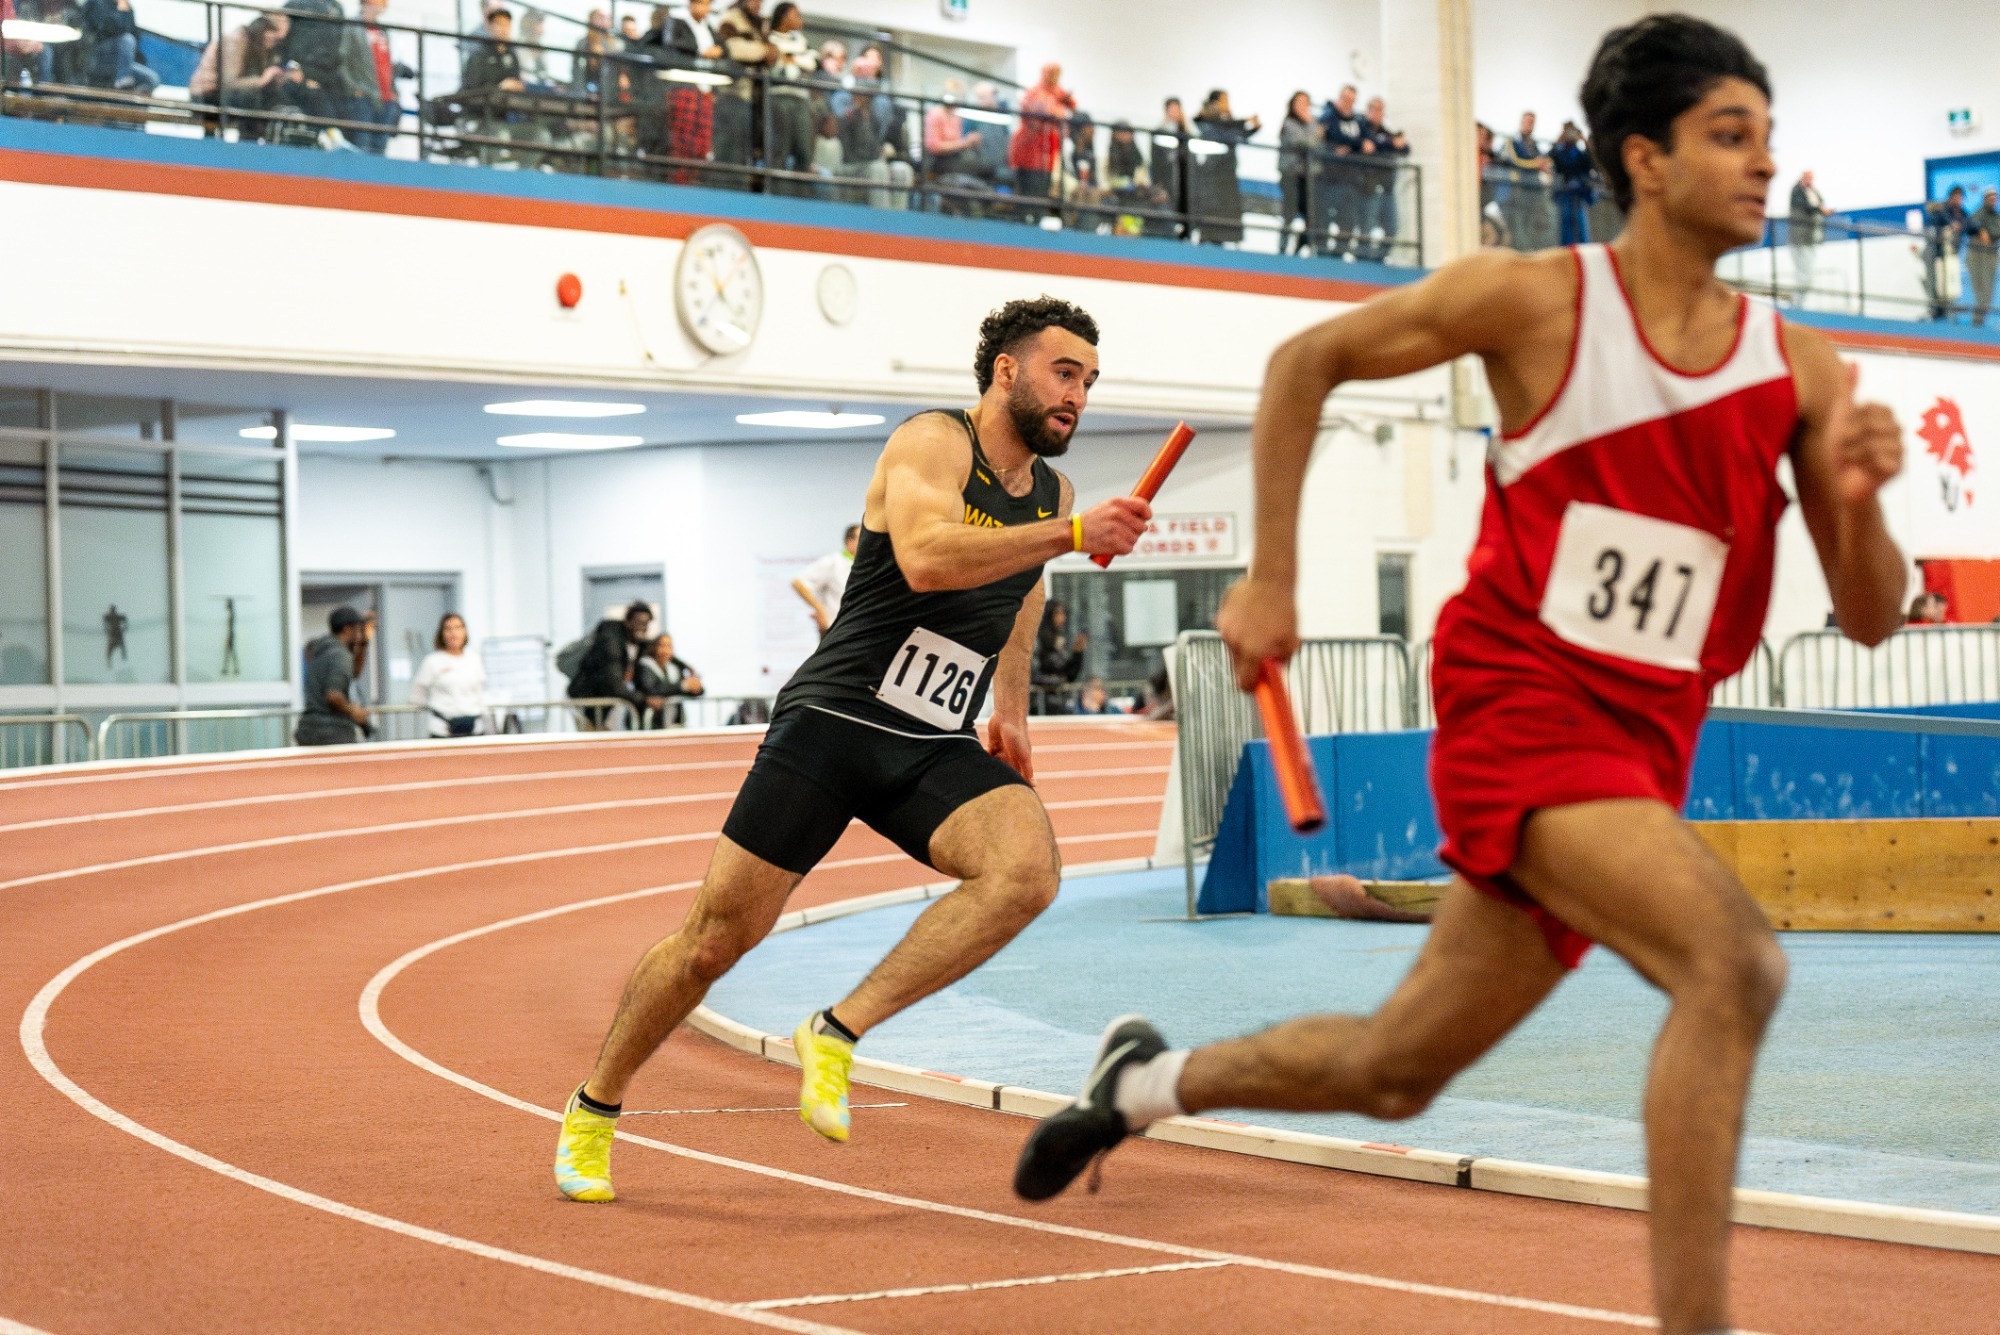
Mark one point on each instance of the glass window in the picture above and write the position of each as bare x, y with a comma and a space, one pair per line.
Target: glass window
103, 415
232, 568
24, 620
206, 424
113, 539
20, 407
1392, 592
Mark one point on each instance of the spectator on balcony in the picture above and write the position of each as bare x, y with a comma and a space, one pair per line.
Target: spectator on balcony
744, 33
113, 33
628, 31
950, 149
1526, 204
665, 678
1217, 193
1037, 143
679, 117
450, 682
1299, 141
1929, 609
495, 68
989, 161
1576, 183
1982, 253
1805, 228
38, 59
317, 40
371, 72
332, 715
586, 68
1130, 183
1944, 232
240, 71
609, 663
1170, 152
790, 100
535, 70
1343, 140
872, 136
1380, 220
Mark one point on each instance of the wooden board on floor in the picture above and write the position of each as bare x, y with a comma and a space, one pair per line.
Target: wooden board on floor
1810, 875
1867, 875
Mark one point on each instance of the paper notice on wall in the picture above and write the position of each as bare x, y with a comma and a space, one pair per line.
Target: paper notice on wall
517, 668
1950, 487
786, 632
1152, 611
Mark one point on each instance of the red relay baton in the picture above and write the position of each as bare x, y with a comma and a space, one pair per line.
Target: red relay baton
1156, 471
1297, 783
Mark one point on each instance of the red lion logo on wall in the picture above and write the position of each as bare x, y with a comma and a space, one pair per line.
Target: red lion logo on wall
1943, 434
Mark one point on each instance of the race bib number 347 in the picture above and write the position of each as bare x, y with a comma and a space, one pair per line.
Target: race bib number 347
1633, 586
932, 678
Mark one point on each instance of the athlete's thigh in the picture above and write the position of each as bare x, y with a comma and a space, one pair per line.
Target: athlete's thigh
1632, 874
1004, 827
1482, 969
740, 897
799, 796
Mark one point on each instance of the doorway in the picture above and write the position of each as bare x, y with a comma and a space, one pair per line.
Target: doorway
407, 611
609, 590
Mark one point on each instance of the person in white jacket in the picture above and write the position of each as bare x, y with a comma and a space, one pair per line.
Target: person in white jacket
451, 683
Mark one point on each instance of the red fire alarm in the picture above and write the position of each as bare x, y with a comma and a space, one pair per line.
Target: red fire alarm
569, 291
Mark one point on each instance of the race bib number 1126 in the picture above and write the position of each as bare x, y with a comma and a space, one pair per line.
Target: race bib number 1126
1633, 586
932, 678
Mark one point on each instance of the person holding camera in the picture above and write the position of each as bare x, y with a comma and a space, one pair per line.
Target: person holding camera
332, 716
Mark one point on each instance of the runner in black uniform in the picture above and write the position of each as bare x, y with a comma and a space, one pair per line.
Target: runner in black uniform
942, 605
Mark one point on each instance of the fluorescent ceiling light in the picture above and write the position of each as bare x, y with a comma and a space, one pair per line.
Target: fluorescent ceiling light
705, 78
301, 431
982, 114
569, 440
27, 30
810, 421
564, 408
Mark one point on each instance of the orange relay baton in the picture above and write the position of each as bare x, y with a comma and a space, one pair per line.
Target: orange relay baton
1156, 471
1297, 783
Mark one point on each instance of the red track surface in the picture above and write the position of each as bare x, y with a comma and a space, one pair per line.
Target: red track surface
242, 1040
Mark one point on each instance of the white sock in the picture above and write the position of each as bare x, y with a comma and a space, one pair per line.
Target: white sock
1145, 1094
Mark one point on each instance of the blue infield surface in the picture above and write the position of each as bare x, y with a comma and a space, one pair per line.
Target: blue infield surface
1880, 1082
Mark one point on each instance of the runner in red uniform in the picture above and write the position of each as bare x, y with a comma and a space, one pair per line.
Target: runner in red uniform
1623, 567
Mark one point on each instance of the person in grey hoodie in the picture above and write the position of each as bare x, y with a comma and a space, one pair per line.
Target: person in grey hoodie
331, 716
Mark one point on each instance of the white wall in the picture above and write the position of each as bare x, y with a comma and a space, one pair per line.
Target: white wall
1860, 87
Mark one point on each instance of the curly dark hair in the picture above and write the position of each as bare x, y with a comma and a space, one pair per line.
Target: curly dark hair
1015, 323
1645, 75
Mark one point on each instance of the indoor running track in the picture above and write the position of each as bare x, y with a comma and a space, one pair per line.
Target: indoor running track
273, 1076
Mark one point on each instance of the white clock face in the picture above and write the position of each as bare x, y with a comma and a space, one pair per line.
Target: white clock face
839, 294
718, 289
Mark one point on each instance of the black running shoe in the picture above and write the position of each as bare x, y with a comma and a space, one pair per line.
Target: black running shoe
1063, 1145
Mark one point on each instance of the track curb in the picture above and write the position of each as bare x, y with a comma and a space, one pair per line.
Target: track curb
1944, 1229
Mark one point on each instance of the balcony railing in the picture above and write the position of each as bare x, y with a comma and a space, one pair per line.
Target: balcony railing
649, 113
1867, 269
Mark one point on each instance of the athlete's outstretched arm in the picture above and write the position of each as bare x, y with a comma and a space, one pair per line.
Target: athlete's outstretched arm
1007, 731
1845, 452
1469, 306
925, 465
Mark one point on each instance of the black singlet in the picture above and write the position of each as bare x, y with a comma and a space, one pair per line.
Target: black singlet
922, 662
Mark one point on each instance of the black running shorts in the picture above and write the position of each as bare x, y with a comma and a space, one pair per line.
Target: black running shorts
817, 771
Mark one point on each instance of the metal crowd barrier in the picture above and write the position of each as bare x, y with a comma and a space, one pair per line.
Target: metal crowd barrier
146, 735
43, 739
1337, 685
590, 714
1918, 665
1755, 687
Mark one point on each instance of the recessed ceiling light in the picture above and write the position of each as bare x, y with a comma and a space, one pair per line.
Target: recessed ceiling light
564, 408
811, 421
569, 440
302, 431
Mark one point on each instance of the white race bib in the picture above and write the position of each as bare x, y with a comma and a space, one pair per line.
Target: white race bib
1634, 587
932, 678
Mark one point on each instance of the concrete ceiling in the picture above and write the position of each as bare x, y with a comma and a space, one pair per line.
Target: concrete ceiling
446, 420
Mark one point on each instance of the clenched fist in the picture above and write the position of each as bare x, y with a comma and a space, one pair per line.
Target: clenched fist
1867, 443
1258, 620
1114, 527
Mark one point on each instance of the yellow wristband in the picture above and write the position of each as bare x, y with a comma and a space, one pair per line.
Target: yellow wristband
1076, 532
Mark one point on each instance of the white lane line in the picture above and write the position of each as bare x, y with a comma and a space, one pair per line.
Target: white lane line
16, 1328
792, 1108
372, 790
315, 836
1107, 773
34, 1023
371, 1018
180, 767
1032, 1281
1156, 800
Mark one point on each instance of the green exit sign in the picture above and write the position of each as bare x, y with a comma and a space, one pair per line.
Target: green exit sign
959, 10
1962, 120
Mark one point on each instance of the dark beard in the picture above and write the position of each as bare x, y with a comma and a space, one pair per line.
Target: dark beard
1031, 423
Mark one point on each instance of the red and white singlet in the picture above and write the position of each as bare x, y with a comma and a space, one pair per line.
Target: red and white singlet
1623, 567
